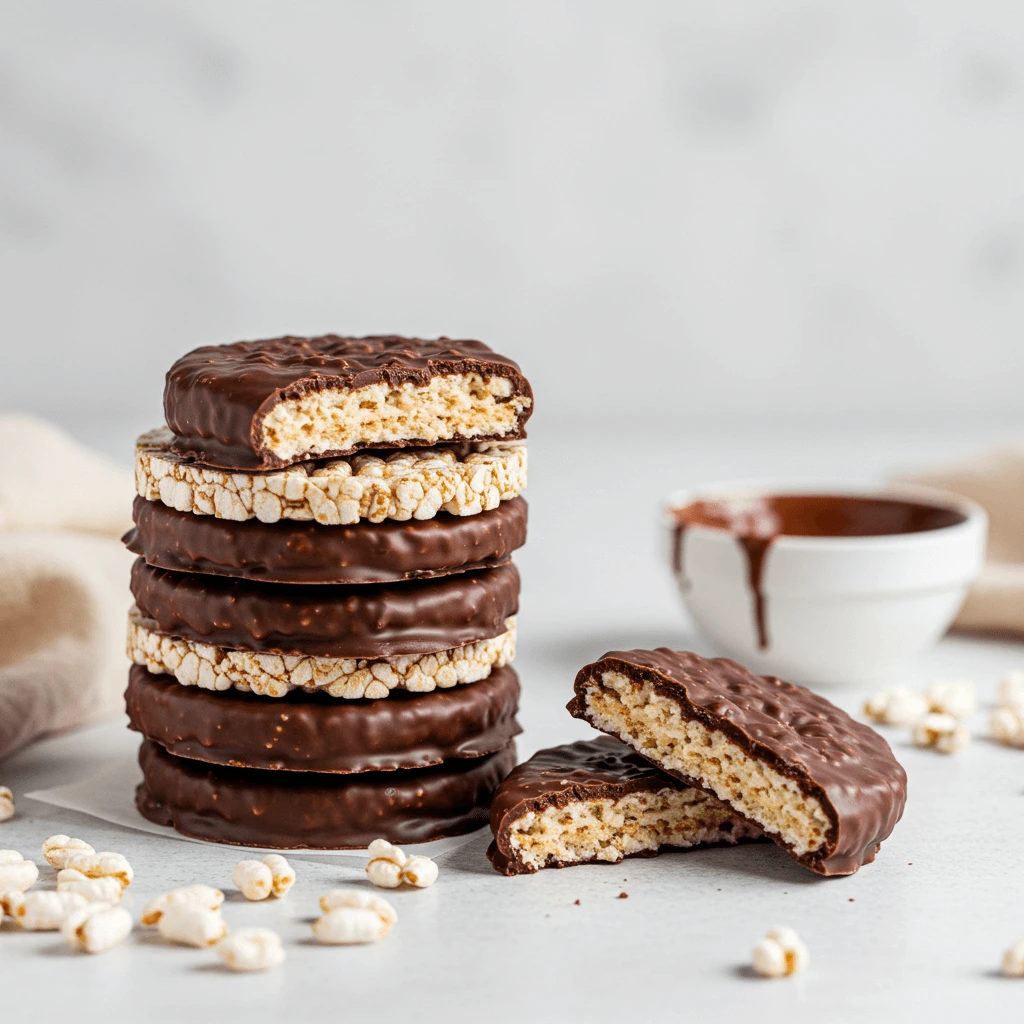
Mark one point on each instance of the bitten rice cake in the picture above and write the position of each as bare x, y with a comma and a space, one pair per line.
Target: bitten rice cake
601, 801
267, 404
827, 789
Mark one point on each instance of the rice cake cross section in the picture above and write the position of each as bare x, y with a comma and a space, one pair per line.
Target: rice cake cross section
826, 788
600, 801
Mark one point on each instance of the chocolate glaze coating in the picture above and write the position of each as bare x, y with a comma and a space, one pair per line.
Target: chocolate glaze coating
845, 765
216, 397
599, 769
301, 552
315, 733
287, 811
367, 621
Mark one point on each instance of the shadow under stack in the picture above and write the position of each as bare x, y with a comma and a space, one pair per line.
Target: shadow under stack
325, 601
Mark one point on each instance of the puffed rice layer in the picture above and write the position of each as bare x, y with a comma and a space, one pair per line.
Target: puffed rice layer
411, 484
274, 675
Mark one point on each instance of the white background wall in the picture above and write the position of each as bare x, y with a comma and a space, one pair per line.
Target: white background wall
724, 211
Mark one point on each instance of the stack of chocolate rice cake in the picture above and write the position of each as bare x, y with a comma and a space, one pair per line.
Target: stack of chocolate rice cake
325, 602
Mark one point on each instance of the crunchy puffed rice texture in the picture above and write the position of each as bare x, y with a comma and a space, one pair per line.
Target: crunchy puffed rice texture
251, 949
58, 848
16, 873
361, 900
106, 889
100, 865
275, 675
898, 706
1013, 960
954, 697
200, 895
189, 924
45, 910
411, 484
780, 953
96, 927
941, 732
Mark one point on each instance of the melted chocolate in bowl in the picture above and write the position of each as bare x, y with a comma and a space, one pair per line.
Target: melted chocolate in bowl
757, 521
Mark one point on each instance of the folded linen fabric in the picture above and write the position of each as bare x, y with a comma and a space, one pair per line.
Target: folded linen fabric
995, 480
63, 582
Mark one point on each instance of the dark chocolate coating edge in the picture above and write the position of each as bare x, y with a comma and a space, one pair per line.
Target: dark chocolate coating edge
304, 732
273, 810
217, 396
862, 815
337, 621
301, 552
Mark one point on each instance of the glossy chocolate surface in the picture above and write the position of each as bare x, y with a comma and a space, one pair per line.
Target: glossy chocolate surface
216, 397
313, 732
758, 521
302, 552
844, 764
366, 621
293, 811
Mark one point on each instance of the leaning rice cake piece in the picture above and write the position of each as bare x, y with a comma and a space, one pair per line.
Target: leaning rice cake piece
600, 801
826, 788
267, 404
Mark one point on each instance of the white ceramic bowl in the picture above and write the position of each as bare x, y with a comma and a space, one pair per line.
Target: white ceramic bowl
838, 610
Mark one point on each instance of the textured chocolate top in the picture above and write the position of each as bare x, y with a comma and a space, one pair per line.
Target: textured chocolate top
299, 810
369, 621
301, 552
216, 397
316, 733
846, 765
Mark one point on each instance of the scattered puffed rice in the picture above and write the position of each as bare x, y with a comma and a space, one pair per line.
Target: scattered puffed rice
384, 868
100, 865
954, 697
1006, 725
419, 871
282, 874
941, 732
1011, 689
191, 925
94, 890
10, 901
388, 867
96, 928
1013, 960
898, 706
253, 879
45, 910
197, 895
252, 949
358, 899
58, 848
780, 953
353, 917
16, 873
6, 804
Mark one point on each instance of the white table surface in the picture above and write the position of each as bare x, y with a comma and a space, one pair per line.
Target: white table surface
916, 935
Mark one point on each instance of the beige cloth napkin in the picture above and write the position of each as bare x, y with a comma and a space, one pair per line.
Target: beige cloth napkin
995, 603
63, 582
